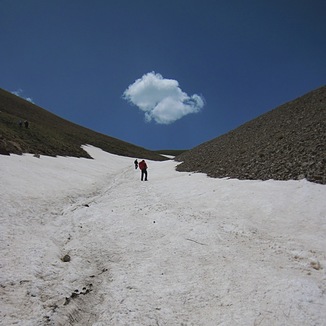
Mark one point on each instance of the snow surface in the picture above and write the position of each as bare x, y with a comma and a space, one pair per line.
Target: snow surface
180, 249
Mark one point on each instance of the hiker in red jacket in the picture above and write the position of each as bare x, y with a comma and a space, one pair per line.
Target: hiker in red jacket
143, 168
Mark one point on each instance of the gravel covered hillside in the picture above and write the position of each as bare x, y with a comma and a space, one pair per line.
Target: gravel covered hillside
286, 143
51, 135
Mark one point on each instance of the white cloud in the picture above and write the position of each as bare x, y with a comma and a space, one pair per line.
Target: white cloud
19, 92
161, 99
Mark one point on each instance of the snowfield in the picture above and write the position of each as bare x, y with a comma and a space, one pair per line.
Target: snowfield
180, 249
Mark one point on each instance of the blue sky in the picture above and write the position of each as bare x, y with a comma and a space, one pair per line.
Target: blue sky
162, 74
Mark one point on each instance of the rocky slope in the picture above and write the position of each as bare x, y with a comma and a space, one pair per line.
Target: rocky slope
286, 143
49, 134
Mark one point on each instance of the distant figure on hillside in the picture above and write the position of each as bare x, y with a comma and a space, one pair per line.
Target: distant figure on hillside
26, 123
143, 169
136, 164
20, 123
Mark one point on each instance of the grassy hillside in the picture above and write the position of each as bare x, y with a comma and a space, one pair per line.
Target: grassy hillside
51, 135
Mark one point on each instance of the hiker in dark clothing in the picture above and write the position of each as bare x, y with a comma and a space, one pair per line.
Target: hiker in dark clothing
26, 124
136, 164
143, 169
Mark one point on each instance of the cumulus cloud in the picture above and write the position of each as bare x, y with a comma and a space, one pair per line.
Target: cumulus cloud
19, 92
161, 99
